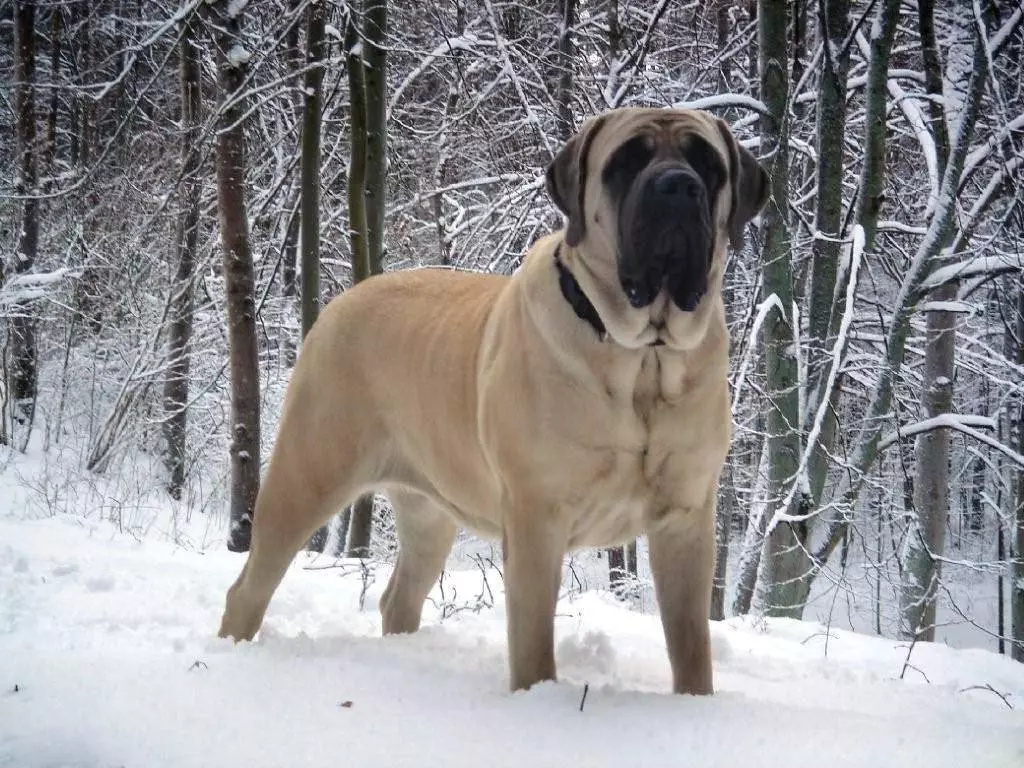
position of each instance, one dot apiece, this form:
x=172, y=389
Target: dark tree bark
x=926, y=536
x=316, y=19
x=726, y=505
x=374, y=79
x=232, y=66
x=872, y=180
x=1017, y=504
x=566, y=56
x=85, y=113
x=180, y=332
x=310, y=200
x=292, y=56
x=616, y=569
x=56, y=34
x=823, y=315
x=360, y=516
x=786, y=566
x=23, y=376
x=357, y=161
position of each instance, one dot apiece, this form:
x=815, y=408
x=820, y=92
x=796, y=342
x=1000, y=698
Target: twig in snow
x=586, y=687
x=988, y=687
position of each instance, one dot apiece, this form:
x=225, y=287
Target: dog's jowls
x=496, y=404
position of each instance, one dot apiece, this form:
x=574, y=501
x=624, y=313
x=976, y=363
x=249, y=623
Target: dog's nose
x=678, y=183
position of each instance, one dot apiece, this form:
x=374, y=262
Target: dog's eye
x=706, y=162
x=627, y=161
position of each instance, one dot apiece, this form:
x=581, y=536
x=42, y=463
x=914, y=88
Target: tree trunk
x=926, y=535
x=787, y=563
x=56, y=33
x=232, y=60
x=367, y=177
x=823, y=318
x=1017, y=580
x=310, y=188
x=23, y=376
x=566, y=57
x=292, y=59
x=441, y=170
x=179, y=354
x=310, y=201
x=723, y=529
x=616, y=569
x=357, y=161
x=753, y=540
x=85, y=127
x=614, y=32
x=872, y=179
x=726, y=506
x=375, y=79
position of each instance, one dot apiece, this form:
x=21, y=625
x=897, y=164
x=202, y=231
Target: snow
x=724, y=101
x=946, y=306
x=972, y=267
x=33, y=285
x=108, y=658
x=238, y=55
x=235, y=8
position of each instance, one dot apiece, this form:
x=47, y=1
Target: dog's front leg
x=682, y=552
x=533, y=546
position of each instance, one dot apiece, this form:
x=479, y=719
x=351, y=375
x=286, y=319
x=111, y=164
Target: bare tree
x=374, y=76
x=176, y=385
x=22, y=374
x=1017, y=500
x=232, y=67
x=316, y=16
x=785, y=552
x=925, y=541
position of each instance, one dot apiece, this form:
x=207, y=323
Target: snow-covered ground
x=108, y=657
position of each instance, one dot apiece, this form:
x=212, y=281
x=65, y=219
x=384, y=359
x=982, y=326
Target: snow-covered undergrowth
x=108, y=657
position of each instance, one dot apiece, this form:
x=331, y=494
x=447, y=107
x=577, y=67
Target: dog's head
x=652, y=197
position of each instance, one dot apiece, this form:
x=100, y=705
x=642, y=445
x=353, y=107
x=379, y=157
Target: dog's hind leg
x=298, y=494
x=425, y=536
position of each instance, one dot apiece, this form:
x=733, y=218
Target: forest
x=187, y=183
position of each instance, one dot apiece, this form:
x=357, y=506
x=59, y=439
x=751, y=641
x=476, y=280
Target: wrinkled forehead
x=668, y=130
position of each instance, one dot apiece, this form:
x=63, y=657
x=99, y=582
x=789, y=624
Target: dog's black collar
x=577, y=299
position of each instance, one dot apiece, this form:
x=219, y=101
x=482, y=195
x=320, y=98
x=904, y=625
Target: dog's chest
x=621, y=486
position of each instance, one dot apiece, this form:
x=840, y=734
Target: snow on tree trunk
x=1017, y=580
x=786, y=564
x=374, y=77
x=309, y=203
x=925, y=537
x=310, y=193
x=926, y=534
x=176, y=384
x=22, y=374
x=866, y=442
x=825, y=302
x=239, y=279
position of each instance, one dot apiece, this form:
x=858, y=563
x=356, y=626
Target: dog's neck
x=577, y=299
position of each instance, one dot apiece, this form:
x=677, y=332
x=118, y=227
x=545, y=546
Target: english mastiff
x=578, y=403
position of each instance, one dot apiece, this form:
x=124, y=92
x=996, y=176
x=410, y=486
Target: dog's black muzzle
x=666, y=220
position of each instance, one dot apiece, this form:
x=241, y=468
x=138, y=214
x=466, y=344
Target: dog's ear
x=749, y=184
x=566, y=179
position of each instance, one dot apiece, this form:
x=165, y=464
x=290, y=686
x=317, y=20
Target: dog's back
x=395, y=358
